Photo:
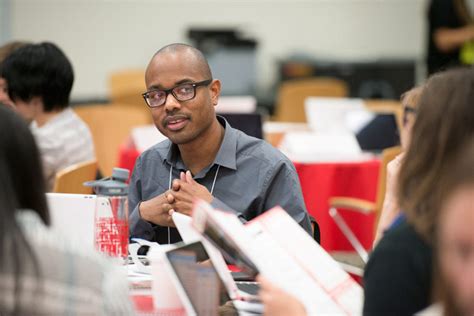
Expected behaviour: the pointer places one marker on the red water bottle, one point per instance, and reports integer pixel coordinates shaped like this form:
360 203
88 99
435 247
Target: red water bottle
111 214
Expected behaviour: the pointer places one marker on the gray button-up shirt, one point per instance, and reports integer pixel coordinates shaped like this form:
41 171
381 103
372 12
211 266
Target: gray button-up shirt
253 177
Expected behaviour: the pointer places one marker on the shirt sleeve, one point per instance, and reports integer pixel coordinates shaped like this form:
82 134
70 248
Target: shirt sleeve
138 227
282 188
51 157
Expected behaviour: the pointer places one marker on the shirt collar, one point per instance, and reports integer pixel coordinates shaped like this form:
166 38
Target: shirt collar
226 156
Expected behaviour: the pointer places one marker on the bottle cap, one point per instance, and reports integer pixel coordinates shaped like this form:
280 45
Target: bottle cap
111 186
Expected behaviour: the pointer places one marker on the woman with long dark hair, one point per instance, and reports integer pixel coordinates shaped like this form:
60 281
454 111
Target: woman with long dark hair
40 274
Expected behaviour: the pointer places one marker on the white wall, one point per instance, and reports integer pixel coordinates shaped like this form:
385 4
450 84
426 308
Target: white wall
4 20
100 36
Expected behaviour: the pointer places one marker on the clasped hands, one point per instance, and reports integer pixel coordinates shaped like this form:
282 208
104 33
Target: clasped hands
179 198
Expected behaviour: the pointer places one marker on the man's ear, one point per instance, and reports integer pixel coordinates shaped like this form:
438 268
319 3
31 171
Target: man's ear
215 91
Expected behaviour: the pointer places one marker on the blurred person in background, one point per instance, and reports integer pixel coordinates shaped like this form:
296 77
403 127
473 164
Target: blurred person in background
39 79
455 236
6 50
451 34
391 208
398 276
40 272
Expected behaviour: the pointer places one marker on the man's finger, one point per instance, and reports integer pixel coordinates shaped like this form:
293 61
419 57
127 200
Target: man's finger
165 208
182 176
176 185
170 198
189 177
182 196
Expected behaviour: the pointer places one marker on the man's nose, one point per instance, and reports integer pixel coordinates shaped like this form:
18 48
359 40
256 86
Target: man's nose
171 104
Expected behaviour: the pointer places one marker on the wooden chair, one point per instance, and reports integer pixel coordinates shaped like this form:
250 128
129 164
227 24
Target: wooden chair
126 88
292 95
71 179
359 257
110 125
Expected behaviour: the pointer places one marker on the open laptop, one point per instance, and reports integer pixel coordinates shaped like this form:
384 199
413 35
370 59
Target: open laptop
241 283
73 216
199 285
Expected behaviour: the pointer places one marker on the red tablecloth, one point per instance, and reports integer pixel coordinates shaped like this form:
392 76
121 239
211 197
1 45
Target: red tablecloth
128 154
319 182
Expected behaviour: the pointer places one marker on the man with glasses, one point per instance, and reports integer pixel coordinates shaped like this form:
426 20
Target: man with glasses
204 157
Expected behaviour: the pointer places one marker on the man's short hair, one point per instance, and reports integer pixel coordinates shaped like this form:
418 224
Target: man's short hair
200 59
39 70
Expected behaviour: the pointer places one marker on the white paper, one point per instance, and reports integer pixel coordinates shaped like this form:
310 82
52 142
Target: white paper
284 127
318 147
326 272
165 292
292 261
236 104
145 137
276 264
329 115
184 224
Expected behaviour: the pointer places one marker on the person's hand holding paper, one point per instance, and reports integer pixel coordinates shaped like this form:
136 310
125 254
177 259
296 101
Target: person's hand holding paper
278 302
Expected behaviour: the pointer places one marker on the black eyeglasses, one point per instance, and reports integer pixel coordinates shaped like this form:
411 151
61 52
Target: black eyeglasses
182 92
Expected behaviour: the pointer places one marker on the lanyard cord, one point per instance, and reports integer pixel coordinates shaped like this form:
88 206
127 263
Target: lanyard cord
212 191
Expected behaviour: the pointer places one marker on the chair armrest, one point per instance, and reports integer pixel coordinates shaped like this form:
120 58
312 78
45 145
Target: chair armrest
353 204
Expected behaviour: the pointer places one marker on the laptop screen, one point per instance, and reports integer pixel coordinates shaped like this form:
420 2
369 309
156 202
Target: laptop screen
200 281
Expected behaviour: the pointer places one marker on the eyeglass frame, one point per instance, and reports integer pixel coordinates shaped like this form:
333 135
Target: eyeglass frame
170 91
407 110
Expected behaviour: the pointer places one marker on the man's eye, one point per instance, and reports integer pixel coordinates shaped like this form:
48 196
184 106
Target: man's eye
185 89
157 94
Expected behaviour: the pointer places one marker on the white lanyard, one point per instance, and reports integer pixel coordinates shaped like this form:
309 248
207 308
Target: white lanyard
170 182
